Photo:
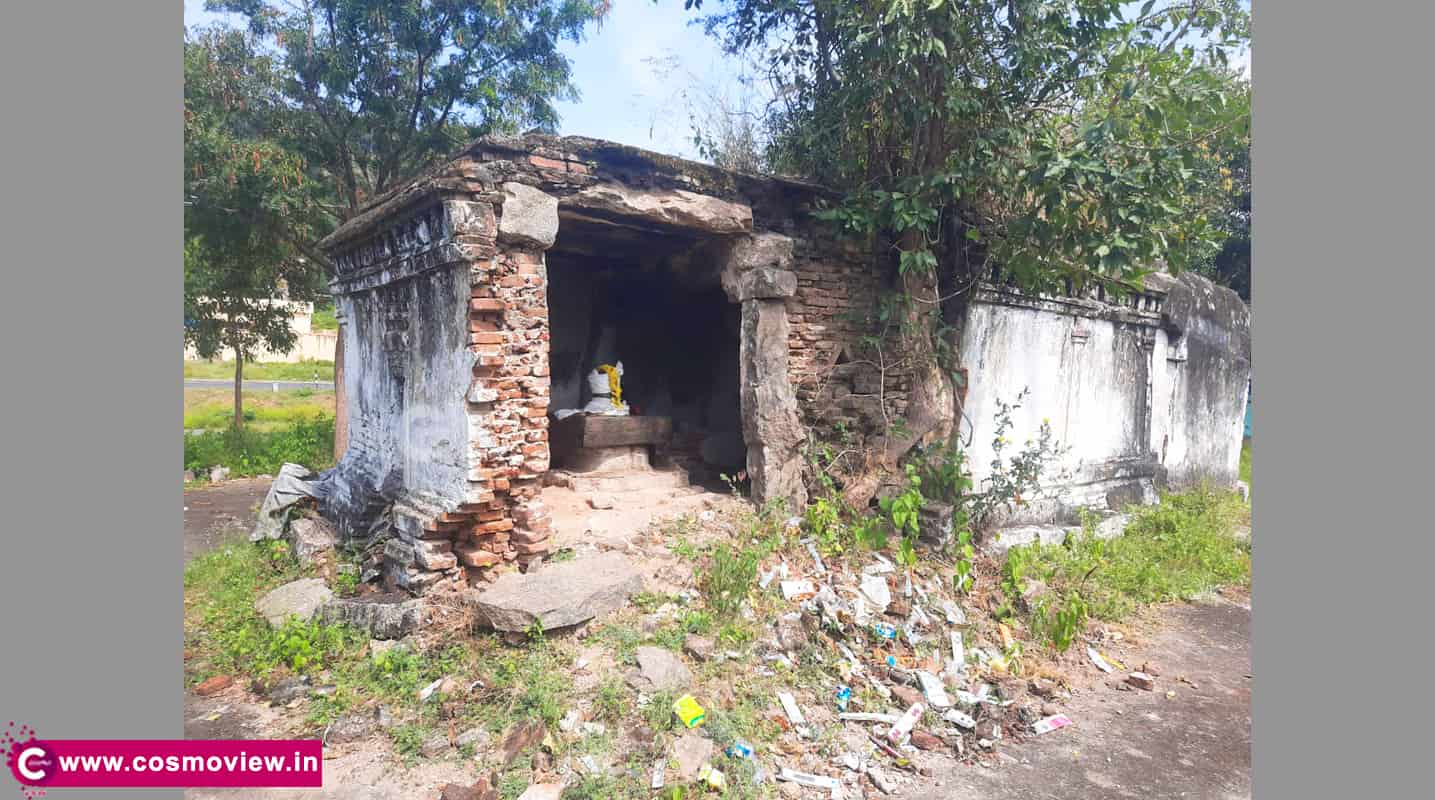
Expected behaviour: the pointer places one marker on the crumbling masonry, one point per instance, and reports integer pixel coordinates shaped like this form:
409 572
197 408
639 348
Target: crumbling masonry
444 288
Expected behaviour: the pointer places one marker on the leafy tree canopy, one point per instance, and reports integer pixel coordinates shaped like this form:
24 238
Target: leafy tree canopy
377 89
1062 141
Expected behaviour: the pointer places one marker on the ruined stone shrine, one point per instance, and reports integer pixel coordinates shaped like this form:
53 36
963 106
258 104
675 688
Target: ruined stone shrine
477 298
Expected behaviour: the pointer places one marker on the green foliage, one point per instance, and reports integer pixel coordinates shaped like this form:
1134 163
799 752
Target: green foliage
1245 465
377 89
263 371
1058 142
1172 551
728 578
307 442
230 636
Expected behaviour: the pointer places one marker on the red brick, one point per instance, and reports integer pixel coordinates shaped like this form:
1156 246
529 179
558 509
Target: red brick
547 163
488 337
497 526
536 547
477 557
485 305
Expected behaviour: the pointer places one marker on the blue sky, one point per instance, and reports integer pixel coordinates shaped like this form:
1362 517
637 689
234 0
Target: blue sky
623 97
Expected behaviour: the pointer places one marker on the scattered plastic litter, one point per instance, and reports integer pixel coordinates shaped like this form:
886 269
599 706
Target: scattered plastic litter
1049 724
812 550
658 769
844 696
689 711
862 716
713 777
903 727
874 588
885 630
740 749
959 719
934 691
428 691
799 589
794 714
810 780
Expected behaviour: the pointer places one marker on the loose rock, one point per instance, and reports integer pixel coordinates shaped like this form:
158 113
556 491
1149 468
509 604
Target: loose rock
288 690
522 737
434 746
312 539
559 595
542 791
214 685
600 501
384 616
352 727
659 670
301 598
1141 681
699 647
692 750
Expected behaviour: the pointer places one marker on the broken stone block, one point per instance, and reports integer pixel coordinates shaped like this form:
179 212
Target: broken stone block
302 598
691 751
353 727
288 690
791 635
312 538
529 218
543 791
1141 681
673 207
522 737
559 595
434 746
600 501
214 685
217 474
766 283
699 647
473 737
659 670
384 616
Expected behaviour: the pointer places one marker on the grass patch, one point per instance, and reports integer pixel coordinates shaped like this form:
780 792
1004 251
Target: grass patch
1172 551
228 636
1245 468
246 452
213 409
262 371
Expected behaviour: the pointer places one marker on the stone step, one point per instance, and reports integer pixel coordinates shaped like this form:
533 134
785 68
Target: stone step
613 482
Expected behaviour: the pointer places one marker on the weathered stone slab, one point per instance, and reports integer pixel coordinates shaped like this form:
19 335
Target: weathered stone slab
530 217
301 598
558 595
659 670
767 283
675 207
387 616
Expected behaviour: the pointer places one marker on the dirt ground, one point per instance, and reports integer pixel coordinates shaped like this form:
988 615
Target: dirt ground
218 512
1123 743
1142 744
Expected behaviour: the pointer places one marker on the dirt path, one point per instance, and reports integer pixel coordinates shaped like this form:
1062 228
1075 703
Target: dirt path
216 513
1138 744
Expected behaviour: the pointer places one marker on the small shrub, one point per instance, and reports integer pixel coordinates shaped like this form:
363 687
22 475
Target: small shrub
308 441
729 578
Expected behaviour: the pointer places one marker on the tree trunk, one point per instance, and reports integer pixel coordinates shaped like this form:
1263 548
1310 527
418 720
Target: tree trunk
238 389
341 397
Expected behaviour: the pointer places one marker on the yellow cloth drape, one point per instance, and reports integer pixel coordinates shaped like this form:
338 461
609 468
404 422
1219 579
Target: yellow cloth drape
614 388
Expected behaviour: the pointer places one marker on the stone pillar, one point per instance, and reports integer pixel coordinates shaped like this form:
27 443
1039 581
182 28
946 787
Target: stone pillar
755 276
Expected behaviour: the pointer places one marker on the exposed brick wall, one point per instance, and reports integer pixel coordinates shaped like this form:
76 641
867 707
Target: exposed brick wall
508 411
841 389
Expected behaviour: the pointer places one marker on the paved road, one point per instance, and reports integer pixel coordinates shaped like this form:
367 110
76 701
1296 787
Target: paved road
256 386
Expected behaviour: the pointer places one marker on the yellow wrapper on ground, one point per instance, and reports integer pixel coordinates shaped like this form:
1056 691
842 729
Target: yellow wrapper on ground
689 711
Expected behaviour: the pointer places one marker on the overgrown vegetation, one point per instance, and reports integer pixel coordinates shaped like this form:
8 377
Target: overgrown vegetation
262 371
247 453
228 636
1176 550
208 409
